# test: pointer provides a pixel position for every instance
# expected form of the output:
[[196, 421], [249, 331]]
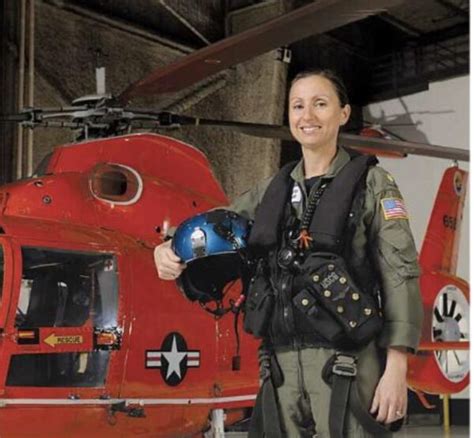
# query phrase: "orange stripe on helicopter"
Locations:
[[26, 334]]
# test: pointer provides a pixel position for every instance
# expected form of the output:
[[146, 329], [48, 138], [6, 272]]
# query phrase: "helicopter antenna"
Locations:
[[99, 71], [100, 80]]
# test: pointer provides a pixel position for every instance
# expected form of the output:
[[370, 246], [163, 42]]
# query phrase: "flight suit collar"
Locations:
[[340, 160]]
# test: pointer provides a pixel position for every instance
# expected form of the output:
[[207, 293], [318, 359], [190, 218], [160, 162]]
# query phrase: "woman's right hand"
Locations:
[[168, 264]]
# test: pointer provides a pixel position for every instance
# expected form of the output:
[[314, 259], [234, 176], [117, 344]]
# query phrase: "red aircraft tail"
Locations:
[[440, 247]]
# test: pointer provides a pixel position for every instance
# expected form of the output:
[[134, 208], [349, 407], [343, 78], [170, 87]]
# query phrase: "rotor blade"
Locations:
[[377, 145], [252, 129], [405, 147], [274, 132], [438, 316], [315, 18], [37, 114]]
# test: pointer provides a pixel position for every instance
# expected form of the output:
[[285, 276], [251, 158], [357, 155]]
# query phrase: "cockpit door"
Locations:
[[62, 333]]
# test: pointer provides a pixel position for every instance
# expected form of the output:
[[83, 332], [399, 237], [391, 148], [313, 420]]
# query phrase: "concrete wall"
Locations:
[[254, 92]]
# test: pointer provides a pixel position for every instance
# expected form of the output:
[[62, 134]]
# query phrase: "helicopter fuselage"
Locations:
[[92, 341]]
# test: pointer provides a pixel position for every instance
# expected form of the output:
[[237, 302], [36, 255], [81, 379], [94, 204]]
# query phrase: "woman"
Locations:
[[379, 250]]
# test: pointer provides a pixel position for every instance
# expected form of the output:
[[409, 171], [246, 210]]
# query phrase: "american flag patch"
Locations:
[[394, 208]]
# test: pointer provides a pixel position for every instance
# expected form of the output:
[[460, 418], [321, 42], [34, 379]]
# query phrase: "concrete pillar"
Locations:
[[255, 92]]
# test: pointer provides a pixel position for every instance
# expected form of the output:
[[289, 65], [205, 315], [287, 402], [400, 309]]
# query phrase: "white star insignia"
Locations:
[[174, 358]]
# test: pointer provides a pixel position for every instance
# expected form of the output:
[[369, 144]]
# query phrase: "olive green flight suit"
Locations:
[[304, 396]]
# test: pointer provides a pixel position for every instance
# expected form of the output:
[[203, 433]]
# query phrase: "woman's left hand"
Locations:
[[390, 398]]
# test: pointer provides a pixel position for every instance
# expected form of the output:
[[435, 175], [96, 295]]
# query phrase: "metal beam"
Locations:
[[453, 8], [439, 36], [184, 21], [401, 25]]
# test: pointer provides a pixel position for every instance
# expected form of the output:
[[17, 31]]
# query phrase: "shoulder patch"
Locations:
[[380, 181], [394, 208]]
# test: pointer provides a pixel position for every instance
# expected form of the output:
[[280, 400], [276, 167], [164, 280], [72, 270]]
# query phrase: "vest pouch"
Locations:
[[259, 304], [334, 289], [317, 317]]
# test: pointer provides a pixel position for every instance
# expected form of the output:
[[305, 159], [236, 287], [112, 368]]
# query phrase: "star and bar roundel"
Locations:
[[173, 359]]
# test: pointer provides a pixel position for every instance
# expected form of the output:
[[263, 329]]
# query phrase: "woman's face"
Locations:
[[315, 112]]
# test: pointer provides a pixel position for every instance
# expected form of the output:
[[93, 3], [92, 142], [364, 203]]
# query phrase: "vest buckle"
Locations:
[[344, 365]]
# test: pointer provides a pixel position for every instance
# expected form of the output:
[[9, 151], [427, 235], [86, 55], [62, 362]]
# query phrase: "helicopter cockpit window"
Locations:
[[116, 183], [67, 289], [77, 369]]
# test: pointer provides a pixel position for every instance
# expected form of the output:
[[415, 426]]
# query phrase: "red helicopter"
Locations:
[[92, 342]]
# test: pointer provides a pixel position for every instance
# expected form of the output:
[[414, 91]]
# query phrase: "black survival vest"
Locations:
[[328, 224], [328, 229]]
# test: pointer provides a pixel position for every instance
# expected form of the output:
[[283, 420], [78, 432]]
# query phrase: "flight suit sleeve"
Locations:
[[246, 204], [394, 253]]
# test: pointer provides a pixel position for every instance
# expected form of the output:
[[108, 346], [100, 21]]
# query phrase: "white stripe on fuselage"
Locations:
[[130, 401]]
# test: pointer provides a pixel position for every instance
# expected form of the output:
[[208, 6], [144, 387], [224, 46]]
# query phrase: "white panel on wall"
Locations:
[[438, 116]]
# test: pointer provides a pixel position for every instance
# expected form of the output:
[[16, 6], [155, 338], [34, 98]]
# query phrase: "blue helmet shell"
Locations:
[[212, 233], [211, 244]]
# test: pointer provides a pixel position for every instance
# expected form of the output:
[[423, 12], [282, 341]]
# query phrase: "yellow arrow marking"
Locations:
[[52, 340]]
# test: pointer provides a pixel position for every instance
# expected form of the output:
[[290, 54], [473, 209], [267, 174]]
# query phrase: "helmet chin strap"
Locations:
[[219, 311]]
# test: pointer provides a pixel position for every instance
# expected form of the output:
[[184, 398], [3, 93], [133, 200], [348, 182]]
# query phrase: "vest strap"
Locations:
[[340, 373], [268, 217], [329, 220], [265, 420]]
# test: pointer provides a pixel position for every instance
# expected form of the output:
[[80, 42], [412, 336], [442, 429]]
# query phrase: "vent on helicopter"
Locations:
[[116, 183]]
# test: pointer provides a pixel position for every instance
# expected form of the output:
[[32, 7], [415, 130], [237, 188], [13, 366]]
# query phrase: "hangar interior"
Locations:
[[406, 69]]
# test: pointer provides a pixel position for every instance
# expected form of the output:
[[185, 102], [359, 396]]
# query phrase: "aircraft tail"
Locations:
[[440, 247]]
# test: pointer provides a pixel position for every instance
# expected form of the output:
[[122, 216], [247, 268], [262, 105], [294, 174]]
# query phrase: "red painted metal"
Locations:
[[437, 346], [440, 247], [438, 261], [59, 211], [372, 132]]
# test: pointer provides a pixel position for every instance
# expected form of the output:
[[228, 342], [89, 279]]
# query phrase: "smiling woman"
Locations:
[[322, 231], [318, 107]]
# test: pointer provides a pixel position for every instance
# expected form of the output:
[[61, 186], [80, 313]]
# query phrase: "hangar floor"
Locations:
[[406, 432]]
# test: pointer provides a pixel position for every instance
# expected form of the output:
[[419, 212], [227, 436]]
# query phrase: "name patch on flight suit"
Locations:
[[394, 208], [296, 194]]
